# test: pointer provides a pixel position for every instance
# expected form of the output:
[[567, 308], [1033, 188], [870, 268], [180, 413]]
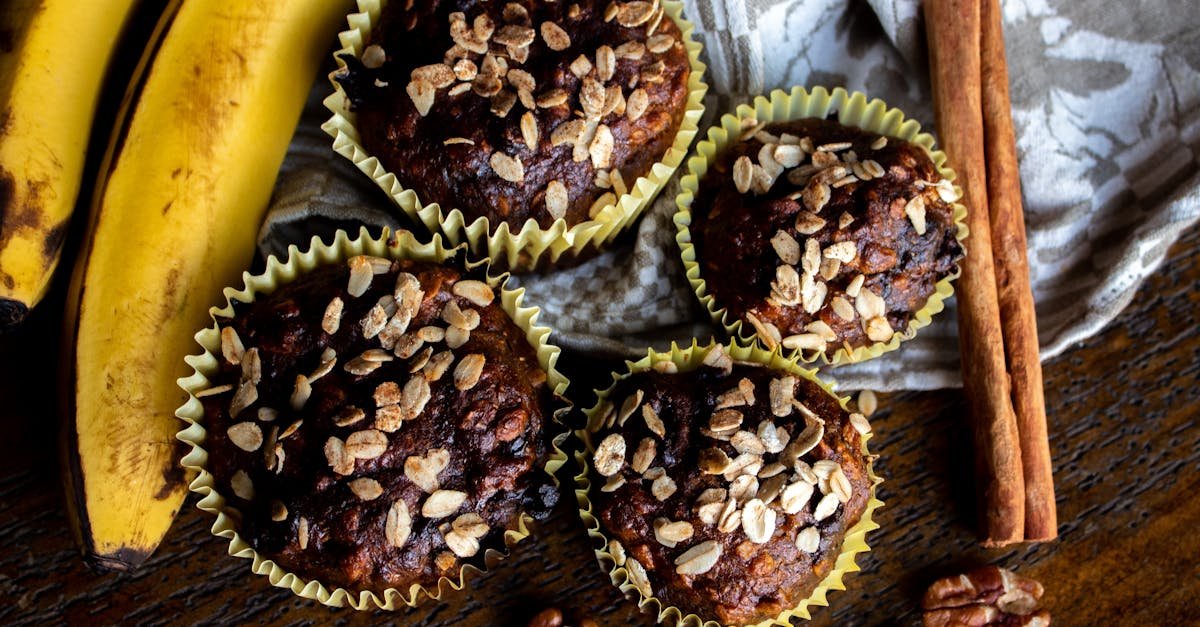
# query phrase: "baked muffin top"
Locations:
[[823, 236], [378, 423], [727, 490], [520, 110]]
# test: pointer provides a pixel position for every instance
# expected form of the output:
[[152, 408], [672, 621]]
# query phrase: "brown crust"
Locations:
[[733, 233], [750, 582], [494, 433], [461, 175]]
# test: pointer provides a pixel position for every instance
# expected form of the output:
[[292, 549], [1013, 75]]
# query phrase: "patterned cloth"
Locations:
[[1106, 103]]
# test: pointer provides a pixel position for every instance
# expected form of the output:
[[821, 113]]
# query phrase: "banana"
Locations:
[[51, 73], [173, 221]]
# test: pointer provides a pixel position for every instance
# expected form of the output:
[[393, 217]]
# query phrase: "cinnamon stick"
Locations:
[[1017, 316], [953, 30]]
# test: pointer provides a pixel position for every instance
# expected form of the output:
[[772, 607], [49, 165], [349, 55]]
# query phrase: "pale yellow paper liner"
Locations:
[[400, 245], [531, 246], [686, 359], [853, 109]]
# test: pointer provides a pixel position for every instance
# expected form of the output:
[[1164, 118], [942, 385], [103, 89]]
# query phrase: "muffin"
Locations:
[[377, 424], [522, 111], [728, 491], [822, 236]]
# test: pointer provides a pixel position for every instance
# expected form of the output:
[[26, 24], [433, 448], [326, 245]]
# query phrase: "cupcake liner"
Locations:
[[690, 358], [530, 247], [400, 245], [852, 109]]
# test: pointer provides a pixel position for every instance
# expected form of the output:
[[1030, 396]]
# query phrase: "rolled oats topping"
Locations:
[[865, 213], [671, 533], [617, 71], [443, 503], [386, 437], [366, 488], [398, 524], [732, 476], [246, 436], [699, 559]]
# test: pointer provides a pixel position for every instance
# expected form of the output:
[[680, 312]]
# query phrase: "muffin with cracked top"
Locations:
[[379, 424], [728, 490], [523, 110], [825, 238]]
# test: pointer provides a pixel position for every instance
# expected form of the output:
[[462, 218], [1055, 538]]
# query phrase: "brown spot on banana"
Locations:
[[20, 214], [53, 242], [174, 477]]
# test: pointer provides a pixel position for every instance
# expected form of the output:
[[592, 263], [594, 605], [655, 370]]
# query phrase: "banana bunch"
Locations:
[[181, 190]]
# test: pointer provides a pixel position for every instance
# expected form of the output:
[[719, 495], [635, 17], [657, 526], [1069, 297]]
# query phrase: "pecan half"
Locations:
[[984, 596]]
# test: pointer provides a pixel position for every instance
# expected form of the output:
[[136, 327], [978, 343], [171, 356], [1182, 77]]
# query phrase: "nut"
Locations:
[[984, 596]]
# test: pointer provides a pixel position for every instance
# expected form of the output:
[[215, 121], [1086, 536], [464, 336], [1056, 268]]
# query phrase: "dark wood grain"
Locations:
[[1123, 428]]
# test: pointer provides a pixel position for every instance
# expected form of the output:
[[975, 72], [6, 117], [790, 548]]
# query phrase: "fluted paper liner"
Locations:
[[532, 246], [690, 358], [852, 109], [400, 245]]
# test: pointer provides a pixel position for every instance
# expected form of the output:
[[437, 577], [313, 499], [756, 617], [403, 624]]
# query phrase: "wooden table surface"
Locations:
[[1123, 428]]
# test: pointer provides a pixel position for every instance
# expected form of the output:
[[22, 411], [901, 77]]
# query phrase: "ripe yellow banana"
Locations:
[[50, 78], [173, 221]]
